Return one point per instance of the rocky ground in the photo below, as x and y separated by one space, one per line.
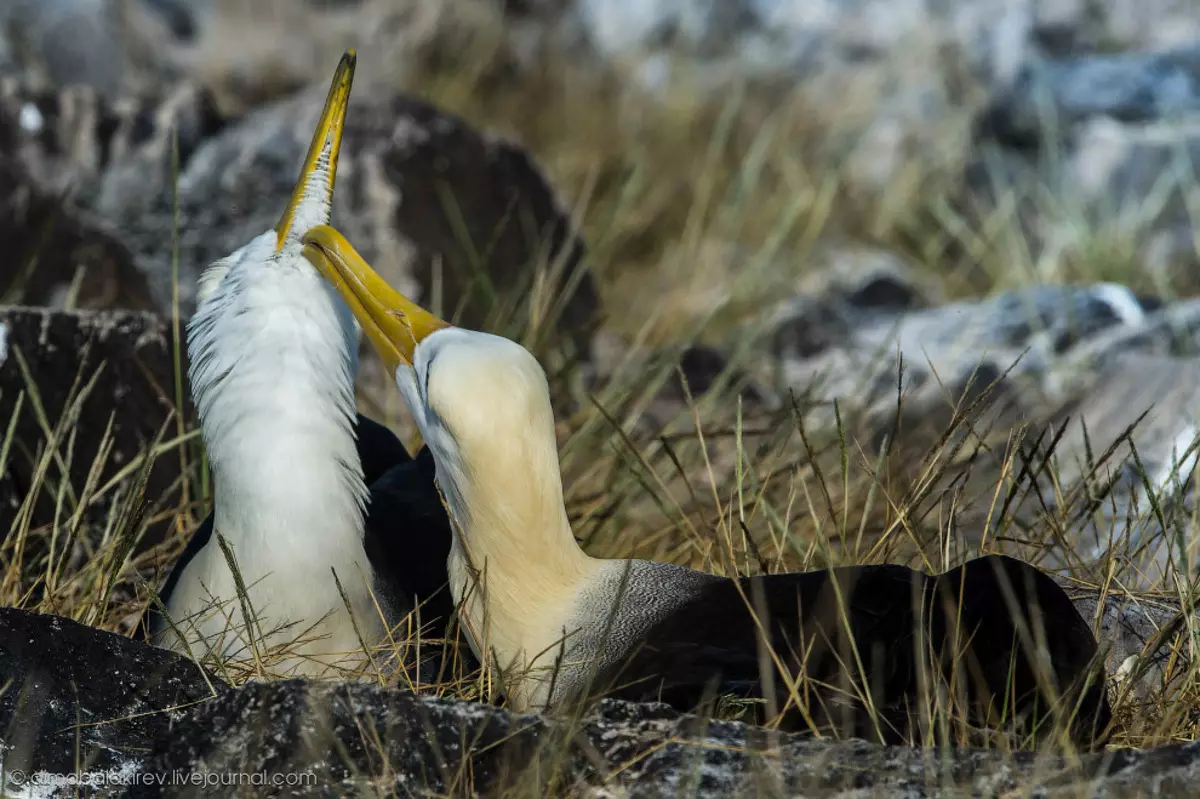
993 311
138 717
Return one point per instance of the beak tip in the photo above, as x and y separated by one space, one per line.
319 170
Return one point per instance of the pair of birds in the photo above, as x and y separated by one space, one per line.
338 535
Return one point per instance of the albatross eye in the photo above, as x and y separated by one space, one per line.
425 382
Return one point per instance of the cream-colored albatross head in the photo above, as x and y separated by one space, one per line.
273 357
528 595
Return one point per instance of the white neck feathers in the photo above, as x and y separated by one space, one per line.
483 408
273 360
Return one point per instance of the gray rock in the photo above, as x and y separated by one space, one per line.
319 732
1142 635
1111 138
1051 97
423 745
1136 181
90 369
182 17
1068 26
112 46
1095 370
1014 333
50 141
780 38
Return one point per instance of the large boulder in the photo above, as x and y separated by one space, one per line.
84 394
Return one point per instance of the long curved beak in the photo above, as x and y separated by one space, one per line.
394 324
312 199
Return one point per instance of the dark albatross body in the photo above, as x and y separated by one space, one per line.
564 626
871 646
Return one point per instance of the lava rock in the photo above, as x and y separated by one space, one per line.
341 737
90 369
180 16
170 733
1102 133
73 691
1140 636
1053 96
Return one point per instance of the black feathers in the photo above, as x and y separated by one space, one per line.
877 646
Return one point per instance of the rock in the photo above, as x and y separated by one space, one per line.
1113 136
90 369
113 46
1013 333
1052 97
996 40
661 398
421 744
1142 635
1134 181
418 744
294 738
425 198
73 689
422 195
55 255
68 151
786 39
1006 377
180 16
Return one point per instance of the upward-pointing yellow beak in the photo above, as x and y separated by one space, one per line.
394 324
313 196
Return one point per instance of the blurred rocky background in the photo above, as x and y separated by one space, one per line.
960 232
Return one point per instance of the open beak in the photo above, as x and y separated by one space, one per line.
312 199
394 324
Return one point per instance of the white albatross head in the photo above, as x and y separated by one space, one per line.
481 401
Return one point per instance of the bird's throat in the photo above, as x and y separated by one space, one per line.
517 573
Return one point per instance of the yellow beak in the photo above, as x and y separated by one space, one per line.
313 196
394 324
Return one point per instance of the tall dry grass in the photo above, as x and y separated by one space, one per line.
700 211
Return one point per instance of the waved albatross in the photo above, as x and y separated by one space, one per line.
872 644
304 487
